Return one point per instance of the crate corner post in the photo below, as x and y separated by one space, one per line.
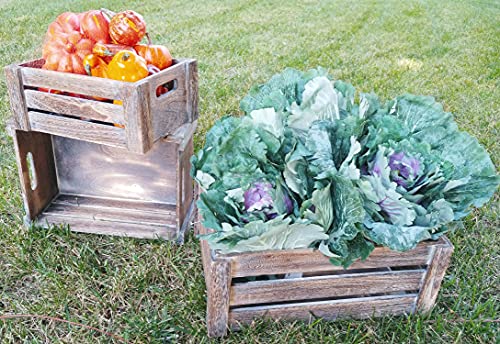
431 284
218 282
15 89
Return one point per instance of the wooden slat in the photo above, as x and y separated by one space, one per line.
169 110
112 214
73 83
136 105
219 283
77 129
300 289
306 260
358 308
192 90
40 146
90 109
128 205
109 227
434 277
17 100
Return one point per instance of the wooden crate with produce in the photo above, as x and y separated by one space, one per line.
323 203
103 129
137 93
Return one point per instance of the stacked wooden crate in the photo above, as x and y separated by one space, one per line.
101 166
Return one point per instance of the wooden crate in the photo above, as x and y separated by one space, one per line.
141 120
107 190
306 286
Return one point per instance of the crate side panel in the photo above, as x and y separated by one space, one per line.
73 106
346 285
77 129
40 147
89 169
358 308
291 261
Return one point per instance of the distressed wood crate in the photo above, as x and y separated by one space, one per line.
306 286
142 119
107 190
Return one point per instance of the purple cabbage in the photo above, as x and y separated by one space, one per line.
259 198
404 169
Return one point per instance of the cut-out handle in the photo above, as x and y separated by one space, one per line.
31 170
166 88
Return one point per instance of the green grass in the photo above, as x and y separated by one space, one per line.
152 291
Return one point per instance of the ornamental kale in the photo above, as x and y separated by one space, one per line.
313 164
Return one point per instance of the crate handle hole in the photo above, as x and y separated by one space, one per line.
31 170
166 88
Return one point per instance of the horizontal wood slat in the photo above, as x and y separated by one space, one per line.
329 310
109 227
129 205
74 83
77 129
111 214
66 105
360 284
291 261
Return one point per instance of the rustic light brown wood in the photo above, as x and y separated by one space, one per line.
320 287
360 308
66 105
107 190
13 79
218 294
146 118
305 285
77 129
40 147
435 274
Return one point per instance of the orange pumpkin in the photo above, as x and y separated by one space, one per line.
64 23
154 54
95 26
127 28
65 52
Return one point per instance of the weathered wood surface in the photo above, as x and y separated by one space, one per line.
73 106
77 129
218 288
146 117
72 83
117 228
434 277
329 310
138 116
322 287
306 260
365 289
40 147
13 80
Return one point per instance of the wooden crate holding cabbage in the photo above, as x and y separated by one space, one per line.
317 205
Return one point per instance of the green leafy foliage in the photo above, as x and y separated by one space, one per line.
342 172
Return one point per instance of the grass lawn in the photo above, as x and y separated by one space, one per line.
153 291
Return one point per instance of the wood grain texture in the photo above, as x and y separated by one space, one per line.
73 106
136 105
358 308
77 129
219 283
435 274
40 146
323 287
17 100
306 260
192 90
116 228
73 83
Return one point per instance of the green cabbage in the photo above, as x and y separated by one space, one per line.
342 172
